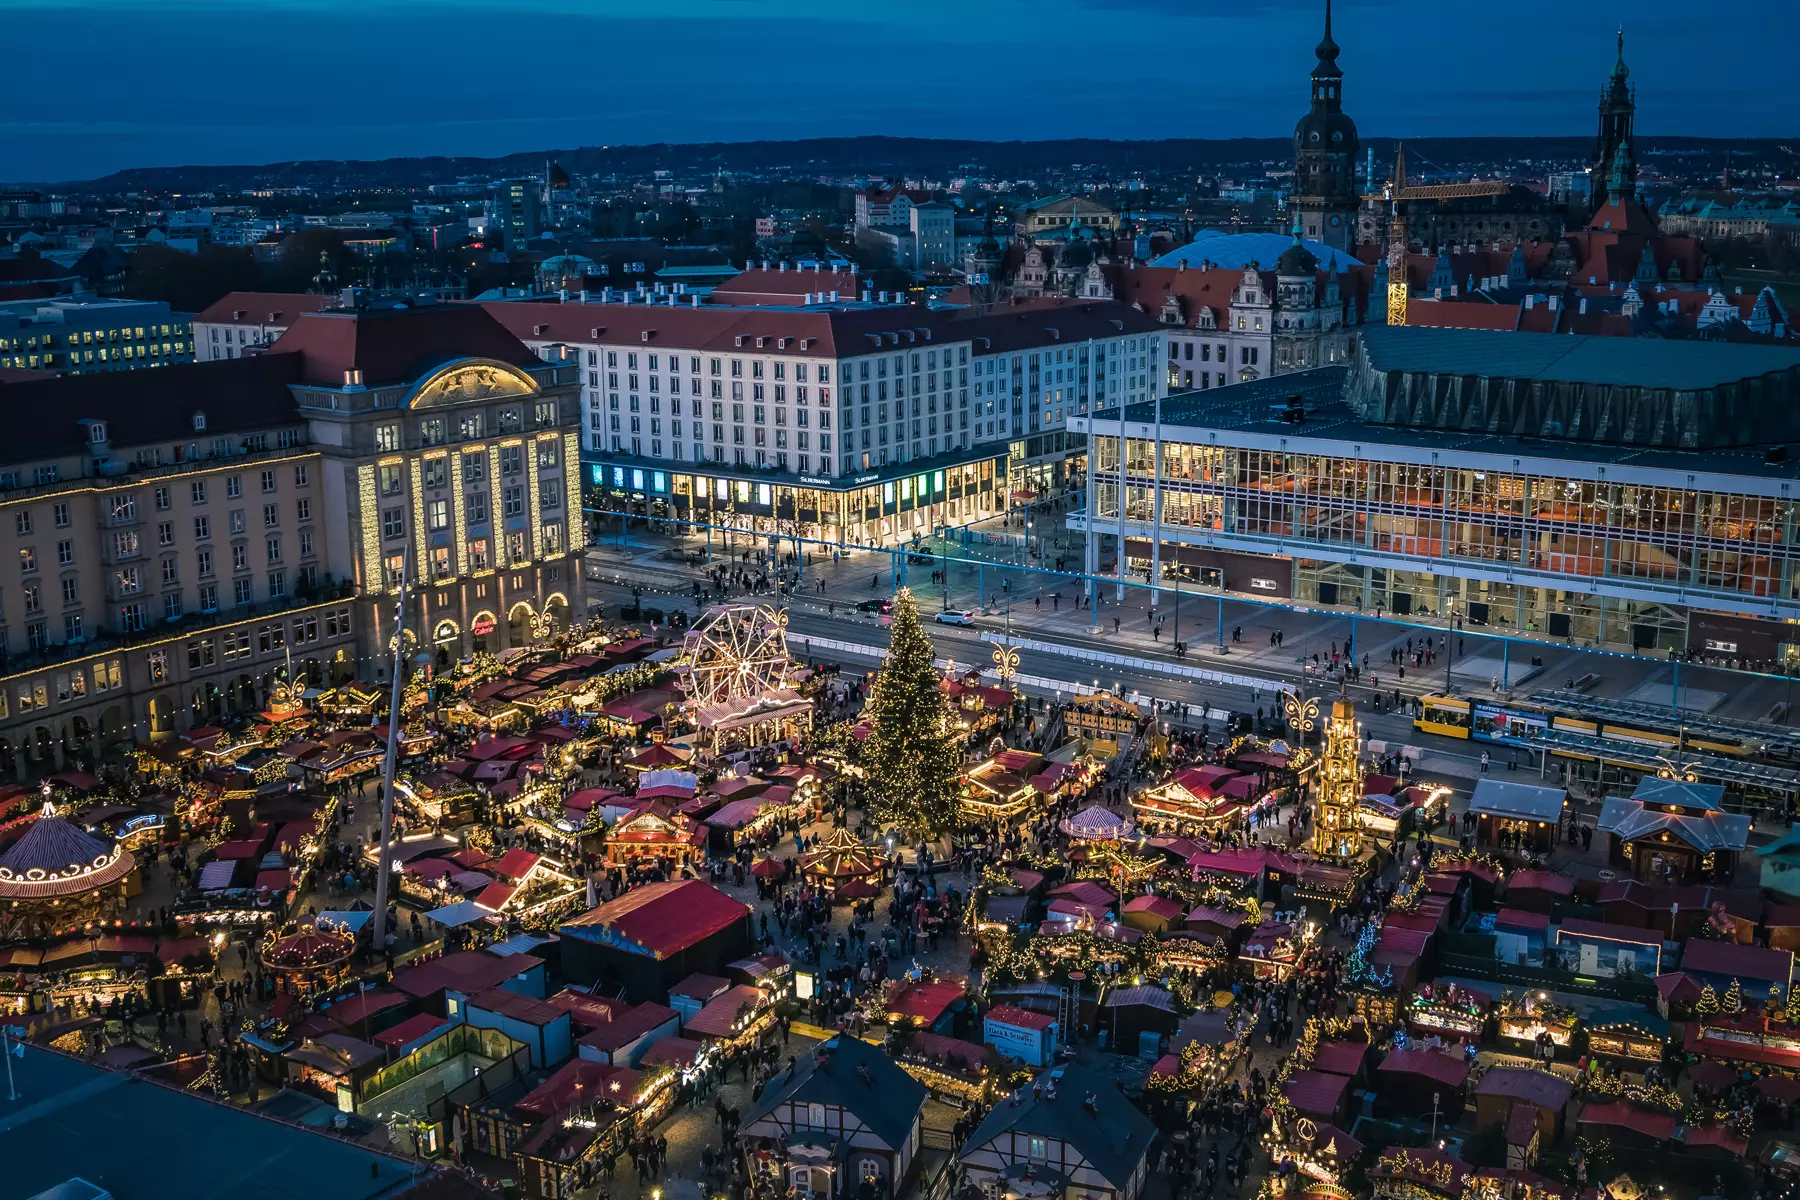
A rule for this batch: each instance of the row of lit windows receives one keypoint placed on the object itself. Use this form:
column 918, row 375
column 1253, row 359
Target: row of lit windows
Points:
column 92, row 337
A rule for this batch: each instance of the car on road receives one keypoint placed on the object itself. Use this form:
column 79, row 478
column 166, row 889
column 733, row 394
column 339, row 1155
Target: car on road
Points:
column 875, row 606
column 956, row 616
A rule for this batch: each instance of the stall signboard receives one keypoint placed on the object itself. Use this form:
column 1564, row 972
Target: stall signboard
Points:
column 1027, row 1037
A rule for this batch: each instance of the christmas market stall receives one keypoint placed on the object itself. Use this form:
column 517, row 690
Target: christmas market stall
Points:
column 1627, row 1036
column 1517, row 816
column 1674, row 831
column 954, row 1071
column 1000, row 786
column 1197, row 800
column 1415, row 1082
column 652, row 832
column 1448, row 1010
column 1532, row 1024
column 1405, row 1173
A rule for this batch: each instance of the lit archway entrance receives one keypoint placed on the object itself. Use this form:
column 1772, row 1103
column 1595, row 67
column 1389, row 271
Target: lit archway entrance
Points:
column 481, row 631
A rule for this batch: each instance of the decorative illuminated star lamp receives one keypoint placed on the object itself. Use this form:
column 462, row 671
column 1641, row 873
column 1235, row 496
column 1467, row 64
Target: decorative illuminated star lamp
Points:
column 58, row 875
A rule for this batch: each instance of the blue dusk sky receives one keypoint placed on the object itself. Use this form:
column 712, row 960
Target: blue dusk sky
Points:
column 91, row 86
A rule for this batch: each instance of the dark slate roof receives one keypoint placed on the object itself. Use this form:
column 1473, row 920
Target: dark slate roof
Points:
column 238, row 395
column 1683, row 366
column 73, row 1120
column 887, row 1100
column 1112, row 1141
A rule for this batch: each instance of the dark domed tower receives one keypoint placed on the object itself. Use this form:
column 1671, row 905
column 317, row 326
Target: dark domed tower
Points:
column 1324, row 199
column 1618, row 112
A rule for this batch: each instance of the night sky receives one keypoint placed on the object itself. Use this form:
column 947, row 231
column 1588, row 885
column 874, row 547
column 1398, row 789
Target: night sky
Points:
column 92, row 87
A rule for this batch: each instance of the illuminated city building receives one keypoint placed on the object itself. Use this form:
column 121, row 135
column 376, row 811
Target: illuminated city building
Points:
column 1629, row 494
column 850, row 425
column 174, row 542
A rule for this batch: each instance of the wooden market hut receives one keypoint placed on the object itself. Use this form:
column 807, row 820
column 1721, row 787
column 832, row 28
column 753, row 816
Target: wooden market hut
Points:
column 1407, row 1080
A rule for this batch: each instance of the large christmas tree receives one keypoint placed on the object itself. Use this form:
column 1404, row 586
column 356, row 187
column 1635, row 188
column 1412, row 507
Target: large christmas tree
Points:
column 911, row 756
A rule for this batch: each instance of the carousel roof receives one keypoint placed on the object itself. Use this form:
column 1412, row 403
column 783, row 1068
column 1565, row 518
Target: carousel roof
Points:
column 55, row 858
column 841, row 856
column 307, row 947
column 1096, row 822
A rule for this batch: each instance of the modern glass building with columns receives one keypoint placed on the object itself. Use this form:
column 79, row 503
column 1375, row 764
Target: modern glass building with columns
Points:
column 1623, row 493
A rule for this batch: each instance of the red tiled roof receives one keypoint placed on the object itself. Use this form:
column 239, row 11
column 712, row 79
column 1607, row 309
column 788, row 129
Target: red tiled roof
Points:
column 410, row 1030
column 927, row 1000
column 1743, row 962
column 581, row 1081
column 666, row 918
column 1539, row 1088
column 1341, row 1058
column 1439, row 1068
column 516, row 1007
column 1464, row 314
column 262, row 308
column 719, row 1018
column 1320, row 1093
column 1542, row 881
column 466, row 971
column 396, row 345
column 1622, row 1114
column 1024, row 1018
column 629, row 1026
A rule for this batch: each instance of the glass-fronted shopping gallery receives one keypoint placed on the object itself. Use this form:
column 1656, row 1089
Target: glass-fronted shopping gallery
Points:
column 1601, row 545
column 881, row 508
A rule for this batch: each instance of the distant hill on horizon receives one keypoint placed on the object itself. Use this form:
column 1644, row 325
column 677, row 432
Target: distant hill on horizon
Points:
column 883, row 155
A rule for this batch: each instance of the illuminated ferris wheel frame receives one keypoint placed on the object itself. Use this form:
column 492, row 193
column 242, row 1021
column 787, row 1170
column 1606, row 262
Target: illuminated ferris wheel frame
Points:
column 736, row 651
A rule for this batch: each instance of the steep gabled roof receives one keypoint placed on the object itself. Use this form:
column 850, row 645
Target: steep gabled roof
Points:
column 1113, row 1135
column 855, row 1076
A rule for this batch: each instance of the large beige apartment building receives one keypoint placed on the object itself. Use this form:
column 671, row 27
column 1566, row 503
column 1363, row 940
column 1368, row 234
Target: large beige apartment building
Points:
column 173, row 542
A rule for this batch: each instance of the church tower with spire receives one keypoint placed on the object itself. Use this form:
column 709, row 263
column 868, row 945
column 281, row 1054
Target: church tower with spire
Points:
column 1613, row 157
column 1324, row 200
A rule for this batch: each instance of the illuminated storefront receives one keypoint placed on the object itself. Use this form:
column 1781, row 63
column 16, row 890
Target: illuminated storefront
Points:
column 884, row 507
column 1624, row 535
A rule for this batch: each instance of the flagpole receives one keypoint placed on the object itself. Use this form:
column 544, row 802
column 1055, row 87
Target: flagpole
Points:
column 7, row 1045
column 378, row 939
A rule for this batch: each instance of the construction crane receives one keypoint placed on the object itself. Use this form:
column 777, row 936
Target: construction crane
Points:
column 1396, row 191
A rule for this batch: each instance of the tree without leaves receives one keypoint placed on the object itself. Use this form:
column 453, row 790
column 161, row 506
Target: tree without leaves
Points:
column 911, row 755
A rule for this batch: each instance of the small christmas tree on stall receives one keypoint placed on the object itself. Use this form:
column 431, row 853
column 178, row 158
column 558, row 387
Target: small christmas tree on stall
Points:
column 1708, row 1004
column 911, row 756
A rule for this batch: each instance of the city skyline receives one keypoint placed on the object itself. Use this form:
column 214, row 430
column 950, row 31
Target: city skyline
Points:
column 398, row 79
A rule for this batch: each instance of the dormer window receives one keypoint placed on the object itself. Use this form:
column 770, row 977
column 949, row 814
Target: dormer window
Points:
column 199, row 422
column 96, row 432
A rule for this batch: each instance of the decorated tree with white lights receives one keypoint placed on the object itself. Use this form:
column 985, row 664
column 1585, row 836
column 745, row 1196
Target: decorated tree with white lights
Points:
column 911, row 755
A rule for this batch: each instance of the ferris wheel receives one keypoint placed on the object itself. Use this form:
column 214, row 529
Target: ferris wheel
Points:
column 735, row 651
